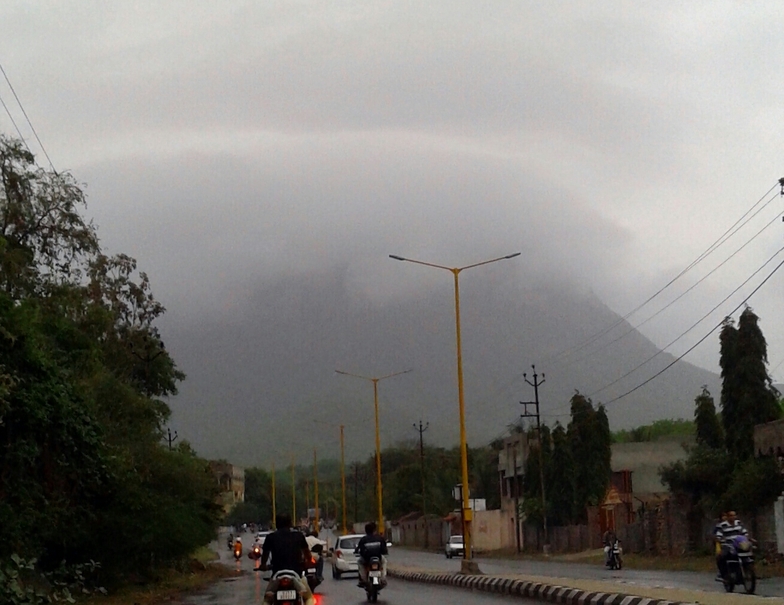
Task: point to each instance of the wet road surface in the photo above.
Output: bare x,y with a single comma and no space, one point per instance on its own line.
247,588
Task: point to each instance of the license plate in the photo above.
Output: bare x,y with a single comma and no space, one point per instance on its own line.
375,574
286,595
312,570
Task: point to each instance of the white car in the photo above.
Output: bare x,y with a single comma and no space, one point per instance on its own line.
343,558
261,536
455,547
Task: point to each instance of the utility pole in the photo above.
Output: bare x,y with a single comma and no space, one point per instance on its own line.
516,497
421,431
171,439
293,494
307,498
526,414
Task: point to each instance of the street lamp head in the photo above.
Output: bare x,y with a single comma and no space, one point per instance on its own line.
513,255
396,257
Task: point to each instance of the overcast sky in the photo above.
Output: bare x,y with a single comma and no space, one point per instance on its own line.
227,143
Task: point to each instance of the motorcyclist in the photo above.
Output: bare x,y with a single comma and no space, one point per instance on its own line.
230,540
313,540
289,550
725,531
608,539
237,544
372,544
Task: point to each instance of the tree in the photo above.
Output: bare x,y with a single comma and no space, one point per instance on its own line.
561,479
590,443
747,396
708,426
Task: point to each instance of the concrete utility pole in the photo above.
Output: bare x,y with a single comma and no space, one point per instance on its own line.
526,414
274,500
516,498
171,439
356,493
421,431
343,481
315,492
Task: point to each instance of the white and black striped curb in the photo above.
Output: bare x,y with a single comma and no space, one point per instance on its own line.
526,589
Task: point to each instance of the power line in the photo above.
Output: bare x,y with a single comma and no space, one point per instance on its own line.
37,138
684,293
10,117
699,321
716,244
700,341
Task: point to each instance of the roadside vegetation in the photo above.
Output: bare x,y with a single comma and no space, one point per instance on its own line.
89,494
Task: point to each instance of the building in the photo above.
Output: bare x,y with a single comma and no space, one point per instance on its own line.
232,482
511,468
769,439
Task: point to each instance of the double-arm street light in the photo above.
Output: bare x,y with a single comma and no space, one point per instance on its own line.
466,509
375,380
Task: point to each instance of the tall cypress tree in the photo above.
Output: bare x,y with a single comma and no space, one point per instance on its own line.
709,431
561,479
747,395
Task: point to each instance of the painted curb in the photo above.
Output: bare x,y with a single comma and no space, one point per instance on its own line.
528,590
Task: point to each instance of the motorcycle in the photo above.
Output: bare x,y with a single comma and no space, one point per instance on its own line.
255,552
286,589
375,579
739,565
311,568
614,560
237,551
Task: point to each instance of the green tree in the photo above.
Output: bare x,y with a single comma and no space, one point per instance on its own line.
561,479
590,443
747,396
708,425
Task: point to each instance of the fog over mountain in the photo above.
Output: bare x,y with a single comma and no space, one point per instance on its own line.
260,385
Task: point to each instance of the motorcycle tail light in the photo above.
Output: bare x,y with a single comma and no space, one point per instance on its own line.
312,561
285,582
374,567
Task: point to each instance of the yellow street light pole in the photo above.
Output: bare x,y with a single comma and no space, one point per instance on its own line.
375,381
343,479
293,495
274,509
466,508
315,492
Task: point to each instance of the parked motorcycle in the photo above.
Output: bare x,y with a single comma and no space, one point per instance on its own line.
614,560
740,565
375,579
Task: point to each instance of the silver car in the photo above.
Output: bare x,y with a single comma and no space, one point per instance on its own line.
343,558
455,547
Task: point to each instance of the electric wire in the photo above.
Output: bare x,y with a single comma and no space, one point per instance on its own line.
699,342
37,138
721,239
11,117
694,325
672,302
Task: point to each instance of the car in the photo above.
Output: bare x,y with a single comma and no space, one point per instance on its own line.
454,547
343,558
262,535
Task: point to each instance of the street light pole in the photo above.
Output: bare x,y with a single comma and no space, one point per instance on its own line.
343,479
315,493
274,511
467,513
375,381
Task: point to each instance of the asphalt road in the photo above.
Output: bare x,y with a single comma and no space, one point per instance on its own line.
248,588
773,587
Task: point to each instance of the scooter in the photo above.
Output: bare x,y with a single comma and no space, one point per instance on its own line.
614,560
238,550
375,579
286,589
310,574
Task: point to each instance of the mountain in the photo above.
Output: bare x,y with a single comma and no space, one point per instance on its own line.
262,386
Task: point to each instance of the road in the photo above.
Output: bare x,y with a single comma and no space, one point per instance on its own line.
773,587
248,588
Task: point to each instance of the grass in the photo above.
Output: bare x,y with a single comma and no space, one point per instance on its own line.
169,584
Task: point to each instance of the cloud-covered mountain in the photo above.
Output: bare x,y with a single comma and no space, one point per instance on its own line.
261,384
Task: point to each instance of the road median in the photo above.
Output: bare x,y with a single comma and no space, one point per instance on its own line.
571,591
